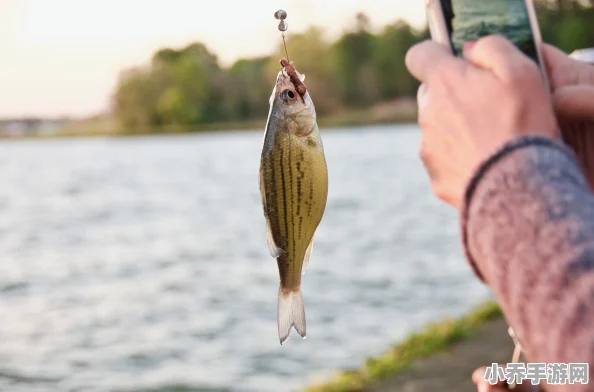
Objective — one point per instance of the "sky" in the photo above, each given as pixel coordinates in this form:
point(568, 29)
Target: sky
point(63, 57)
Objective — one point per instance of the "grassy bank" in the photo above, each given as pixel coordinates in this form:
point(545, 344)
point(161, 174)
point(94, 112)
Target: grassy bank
point(433, 339)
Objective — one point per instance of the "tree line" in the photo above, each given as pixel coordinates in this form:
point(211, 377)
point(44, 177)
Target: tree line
point(188, 87)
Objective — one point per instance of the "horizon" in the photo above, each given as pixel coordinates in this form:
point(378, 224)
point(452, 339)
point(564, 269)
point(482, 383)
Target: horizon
point(62, 59)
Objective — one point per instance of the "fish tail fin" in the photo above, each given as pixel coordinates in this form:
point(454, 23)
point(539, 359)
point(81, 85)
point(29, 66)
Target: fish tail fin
point(291, 313)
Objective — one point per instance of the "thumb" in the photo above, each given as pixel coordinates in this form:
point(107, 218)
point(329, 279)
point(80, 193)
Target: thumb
point(424, 57)
point(497, 54)
point(575, 103)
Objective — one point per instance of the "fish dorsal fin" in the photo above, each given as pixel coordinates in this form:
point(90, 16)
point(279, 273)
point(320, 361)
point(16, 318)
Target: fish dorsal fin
point(302, 78)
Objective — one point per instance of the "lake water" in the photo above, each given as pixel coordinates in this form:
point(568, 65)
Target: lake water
point(140, 264)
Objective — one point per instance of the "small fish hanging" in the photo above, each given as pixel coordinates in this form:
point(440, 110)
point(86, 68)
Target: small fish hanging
point(293, 187)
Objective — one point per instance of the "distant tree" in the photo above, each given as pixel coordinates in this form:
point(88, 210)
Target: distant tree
point(250, 88)
point(354, 53)
point(567, 24)
point(187, 86)
point(393, 43)
point(181, 87)
point(165, 56)
point(134, 97)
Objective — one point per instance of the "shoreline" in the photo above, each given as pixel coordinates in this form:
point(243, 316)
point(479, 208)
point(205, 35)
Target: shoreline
point(402, 111)
point(443, 353)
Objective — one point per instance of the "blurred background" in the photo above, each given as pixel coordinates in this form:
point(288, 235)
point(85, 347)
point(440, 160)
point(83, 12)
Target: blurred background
point(139, 263)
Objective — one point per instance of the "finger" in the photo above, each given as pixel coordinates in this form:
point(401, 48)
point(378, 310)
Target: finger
point(555, 59)
point(422, 59)
point(478, 377)
point(498, 55)
point(484, 386)
point(574, 103)
point(468, 46)
point(553, 54)
point(479, 374)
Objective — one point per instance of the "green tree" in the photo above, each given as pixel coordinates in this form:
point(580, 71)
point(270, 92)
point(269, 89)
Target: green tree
point(354, 54)
point(174, 109)
point(393, 43)
point(187, 86)
point(134, 99)
point(250, 88)
point(567, 24)
point(181, 87)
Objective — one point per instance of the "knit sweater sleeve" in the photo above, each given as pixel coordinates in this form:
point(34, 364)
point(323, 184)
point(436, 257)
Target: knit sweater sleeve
point(528, 233)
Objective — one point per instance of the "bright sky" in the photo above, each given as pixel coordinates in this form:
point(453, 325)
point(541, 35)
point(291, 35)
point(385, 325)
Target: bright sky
point(62, 57)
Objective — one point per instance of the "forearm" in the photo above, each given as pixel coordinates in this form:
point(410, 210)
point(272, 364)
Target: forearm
point(528, 229)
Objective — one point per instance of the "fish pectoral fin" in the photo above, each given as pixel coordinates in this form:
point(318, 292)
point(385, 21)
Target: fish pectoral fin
point(275, 250)
point(261, 186)
point(307, 257)
point(291, 313)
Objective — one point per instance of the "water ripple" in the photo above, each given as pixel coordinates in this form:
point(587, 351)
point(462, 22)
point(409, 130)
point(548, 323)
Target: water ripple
point(140, 264)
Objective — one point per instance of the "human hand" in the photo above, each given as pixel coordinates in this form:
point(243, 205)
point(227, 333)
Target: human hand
point(572, 84)
point(482, 385)
point(468, 109)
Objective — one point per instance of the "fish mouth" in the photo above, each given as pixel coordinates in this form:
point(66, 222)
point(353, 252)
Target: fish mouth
point(291, 72)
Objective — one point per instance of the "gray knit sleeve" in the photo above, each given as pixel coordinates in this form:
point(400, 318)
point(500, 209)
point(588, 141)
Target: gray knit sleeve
point(528, 232)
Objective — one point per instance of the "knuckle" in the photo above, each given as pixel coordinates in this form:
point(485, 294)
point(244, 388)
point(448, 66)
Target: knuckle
point(441, 72)
point(447, 74)
point(523, 71)
point(441, 68)
point(434, 77)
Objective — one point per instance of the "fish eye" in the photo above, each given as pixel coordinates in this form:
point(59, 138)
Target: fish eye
point(288, 96)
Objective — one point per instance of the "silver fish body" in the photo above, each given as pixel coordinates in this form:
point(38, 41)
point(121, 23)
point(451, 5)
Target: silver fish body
point(294, 190)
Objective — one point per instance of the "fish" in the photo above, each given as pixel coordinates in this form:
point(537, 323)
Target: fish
point(294, 190)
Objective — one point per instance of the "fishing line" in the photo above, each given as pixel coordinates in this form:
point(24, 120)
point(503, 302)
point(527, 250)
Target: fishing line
point(282, 27)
